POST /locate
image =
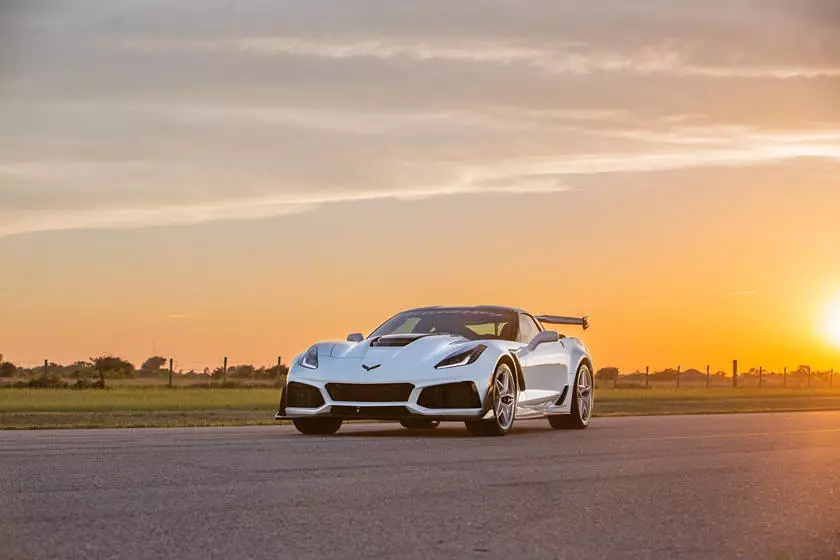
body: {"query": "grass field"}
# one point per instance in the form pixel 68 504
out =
pixel 136 406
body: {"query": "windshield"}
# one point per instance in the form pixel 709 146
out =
pixel 470 323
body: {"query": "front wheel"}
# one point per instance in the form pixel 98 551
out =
pixel 583 401
pixel 317 426
pixel 503 393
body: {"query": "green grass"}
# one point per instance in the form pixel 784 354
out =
pixel 617 402
pixel 136 399
pixel 138 406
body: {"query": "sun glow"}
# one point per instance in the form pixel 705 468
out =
pixel 831 323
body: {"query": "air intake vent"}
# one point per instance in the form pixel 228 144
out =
pixel 300 395
pixel 450 395
pixel 396 340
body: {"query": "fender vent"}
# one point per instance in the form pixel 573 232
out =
pixel 562 398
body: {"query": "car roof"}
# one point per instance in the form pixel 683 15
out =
pixel 476 307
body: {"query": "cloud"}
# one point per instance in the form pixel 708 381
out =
pixel 557 58
pixel 478 176
pixel 253 208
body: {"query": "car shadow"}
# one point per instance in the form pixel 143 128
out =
pixel 453 431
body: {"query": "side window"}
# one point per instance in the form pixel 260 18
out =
pixel 528 328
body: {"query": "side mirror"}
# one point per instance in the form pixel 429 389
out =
pixel 355 337
pixel 542 338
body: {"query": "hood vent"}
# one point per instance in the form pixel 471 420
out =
pixel 395 340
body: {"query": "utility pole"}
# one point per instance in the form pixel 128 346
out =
pixel 46 365
pixel 809 377
pixel 647 376
pixel 170 373
pixel 734 374
pixel 760 377
pixel 678 376
pixel 708 373
pixel 224 371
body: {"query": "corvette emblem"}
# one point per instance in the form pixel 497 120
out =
pixel 369 368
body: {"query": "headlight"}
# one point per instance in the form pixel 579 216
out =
pixel 310 359
pixel 462 358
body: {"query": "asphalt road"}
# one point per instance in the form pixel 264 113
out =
pixel 754 486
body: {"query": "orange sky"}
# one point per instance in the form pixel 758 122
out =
pixel 263 177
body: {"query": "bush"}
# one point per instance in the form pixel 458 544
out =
pixel 48 380
pixel 87 384
pixel 8 369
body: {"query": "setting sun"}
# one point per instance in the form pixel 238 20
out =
pixel 831 323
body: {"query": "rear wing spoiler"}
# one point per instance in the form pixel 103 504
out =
pixel 556 320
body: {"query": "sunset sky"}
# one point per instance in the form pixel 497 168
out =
pixel 201 179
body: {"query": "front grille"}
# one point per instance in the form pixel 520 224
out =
pixel 450 395
pixel 300 395
pixel 370 392
pixel 370 412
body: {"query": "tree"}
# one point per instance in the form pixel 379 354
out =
pixel 113 365
pixel 7 369
pixel 153 365
pixel 607 374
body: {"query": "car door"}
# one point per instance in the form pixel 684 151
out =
pixel 545 369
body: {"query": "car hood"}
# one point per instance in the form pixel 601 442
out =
pixel 405 350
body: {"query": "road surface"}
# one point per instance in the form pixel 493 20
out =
pixel 752 486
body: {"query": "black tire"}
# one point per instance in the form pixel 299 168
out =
pixel 501 423
pixel 578 419
pixel 317 426
pixel 419 424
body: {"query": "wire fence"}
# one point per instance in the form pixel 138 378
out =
pixel 802 377
pixel 180 373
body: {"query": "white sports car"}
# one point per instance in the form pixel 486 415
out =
pixel 485 366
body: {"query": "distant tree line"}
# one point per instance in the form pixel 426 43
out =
pixel 95 371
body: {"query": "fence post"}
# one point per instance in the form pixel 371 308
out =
pixel 170 373
pixel 678 376
pixel 734 374
pixel 647 376
pixel 760 377
pixel 708 373
pixel 224 371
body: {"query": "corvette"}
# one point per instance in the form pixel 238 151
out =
pixel 486 366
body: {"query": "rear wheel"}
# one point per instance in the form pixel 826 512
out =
pixel 503 393
pixel 317 426
pixel 583 402
pixel 419 424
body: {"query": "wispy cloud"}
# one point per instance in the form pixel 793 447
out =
pixel 559 59
pixel 253 208
pixel 510 176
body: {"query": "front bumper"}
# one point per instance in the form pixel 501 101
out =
pixel 442 402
